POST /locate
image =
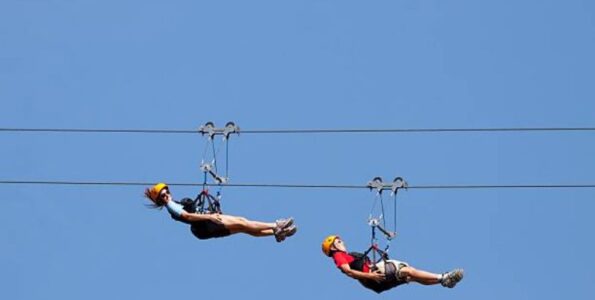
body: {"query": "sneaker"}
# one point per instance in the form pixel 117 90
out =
pixel 451 278
pixel 279 236
pixel 280 226
pixel 289 231
pixel 283 223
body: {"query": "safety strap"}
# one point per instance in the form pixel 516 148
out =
pixel 206 202
pixel 380 221
pixel 211 131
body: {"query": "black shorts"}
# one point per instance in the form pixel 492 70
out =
pixel 208 229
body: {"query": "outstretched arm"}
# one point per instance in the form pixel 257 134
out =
pixel 176 209
pixel 359 275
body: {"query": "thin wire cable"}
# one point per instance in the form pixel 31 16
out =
pixel 395 211
pixel 204 152
pixel 227 159
pixel 305 131
pixel 80 130
pixel 313 186
pixel 383 216
pixel 373 209
pixel 419 130
pixel 215 162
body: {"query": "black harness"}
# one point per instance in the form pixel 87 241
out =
pixel 204 203
pixel 203 229
pixel 390 272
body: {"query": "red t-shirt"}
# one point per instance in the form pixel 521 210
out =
pixel 342 258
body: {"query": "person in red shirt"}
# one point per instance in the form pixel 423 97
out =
pixel 384 275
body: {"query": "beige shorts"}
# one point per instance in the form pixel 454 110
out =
pixel 398 264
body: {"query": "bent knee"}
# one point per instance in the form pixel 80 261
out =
pixel 407 270
pixel 406 273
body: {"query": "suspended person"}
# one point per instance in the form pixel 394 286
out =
pixel 385 274
pixel 215 225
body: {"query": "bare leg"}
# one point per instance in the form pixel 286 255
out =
pixel 240 224
pixel 420 276
pixel 267 232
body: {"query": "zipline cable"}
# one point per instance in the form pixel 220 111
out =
pixel 314 186
pixel 80 130
pixel 422 130
pixel 307 131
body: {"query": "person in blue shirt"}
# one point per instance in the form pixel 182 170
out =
pixel 215 225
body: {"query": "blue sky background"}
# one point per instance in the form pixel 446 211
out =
pixel 296 64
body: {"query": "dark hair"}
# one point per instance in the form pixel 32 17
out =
pixel 154 204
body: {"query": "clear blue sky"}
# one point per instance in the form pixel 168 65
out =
pixel 297 64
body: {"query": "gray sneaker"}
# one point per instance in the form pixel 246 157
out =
pixel 280 229
pixel 289 231
pixel 281 234
pixel 451 278
pixel 279 237
pixel 283 223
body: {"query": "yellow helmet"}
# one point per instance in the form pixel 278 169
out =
pixel 156 189
pixel 327 243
